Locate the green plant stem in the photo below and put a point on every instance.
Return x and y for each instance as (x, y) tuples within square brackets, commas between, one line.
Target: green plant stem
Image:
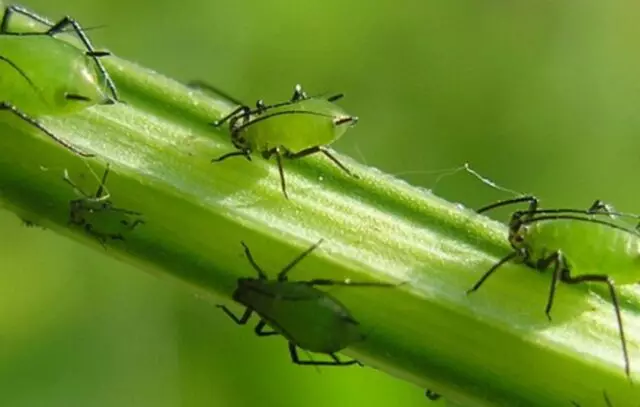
[(493, 348)]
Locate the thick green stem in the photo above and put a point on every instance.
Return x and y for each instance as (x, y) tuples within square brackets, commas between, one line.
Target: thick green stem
[(493, 348)]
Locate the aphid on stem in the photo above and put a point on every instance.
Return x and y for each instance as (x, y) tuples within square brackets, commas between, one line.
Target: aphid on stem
[(299, 127), (578, 245), (309, 318), (41, 75)]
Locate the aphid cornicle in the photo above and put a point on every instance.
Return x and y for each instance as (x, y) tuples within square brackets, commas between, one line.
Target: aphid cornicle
[(97, 215), (309, 318), (293, 129), (41, 75), (578, 245)]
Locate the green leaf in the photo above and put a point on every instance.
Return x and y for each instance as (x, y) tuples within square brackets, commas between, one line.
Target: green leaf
[(492, 348)]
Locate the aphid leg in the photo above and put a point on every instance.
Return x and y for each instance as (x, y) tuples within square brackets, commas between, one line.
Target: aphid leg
[(260, 329), (58, 28), (223, 157), (560, 267), (126, 223), (245, 110), (261, 274), (431, 395), (68, 21), (276, 151), (23, 116), (532, 200), (598, 278), (493, 268), (335, 97), (293, 351), (9, 11), (282, 275), (606, 399), (127, 212), (205, 86), (103, 181), (240, 321), (323, 150), (599, 206)]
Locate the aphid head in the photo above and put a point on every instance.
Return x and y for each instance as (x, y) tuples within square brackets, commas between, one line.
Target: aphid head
[(244, 289)]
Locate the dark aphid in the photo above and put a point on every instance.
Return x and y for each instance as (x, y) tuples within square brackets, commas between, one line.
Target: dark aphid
[(309, 318), (41, 75), (431, 395), (578, 245), (97, 215), (299, 127)]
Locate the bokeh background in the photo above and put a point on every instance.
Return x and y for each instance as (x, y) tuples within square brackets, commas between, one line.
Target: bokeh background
[(540, 96)]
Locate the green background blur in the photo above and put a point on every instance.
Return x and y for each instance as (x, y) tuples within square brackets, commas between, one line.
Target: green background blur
[(540, 96)]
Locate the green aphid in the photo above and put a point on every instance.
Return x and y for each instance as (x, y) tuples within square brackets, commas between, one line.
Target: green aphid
[(41, 75), (309, 318), (293, 129), (578, 245), (97, 215)]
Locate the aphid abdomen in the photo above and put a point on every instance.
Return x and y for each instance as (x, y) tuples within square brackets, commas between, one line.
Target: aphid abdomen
[(306, 316), (54, 69), (292, 131), (589, 248)]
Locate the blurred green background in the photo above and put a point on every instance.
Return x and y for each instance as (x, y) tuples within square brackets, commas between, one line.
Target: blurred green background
[(539, 96)]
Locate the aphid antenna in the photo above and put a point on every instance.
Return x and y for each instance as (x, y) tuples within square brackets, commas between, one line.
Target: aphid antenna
[(247, 252), (207, 87), (282, 275)]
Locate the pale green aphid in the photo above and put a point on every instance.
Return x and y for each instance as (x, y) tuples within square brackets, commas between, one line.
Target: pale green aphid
[(41, 75), (309, 318), (97, 215), (293, 129), (577, 245)]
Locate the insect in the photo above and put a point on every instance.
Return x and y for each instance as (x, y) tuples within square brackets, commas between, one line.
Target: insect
[(97, 215), (577, 244), (309, 318), (431, 395), (302, 126), (41, 75)]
